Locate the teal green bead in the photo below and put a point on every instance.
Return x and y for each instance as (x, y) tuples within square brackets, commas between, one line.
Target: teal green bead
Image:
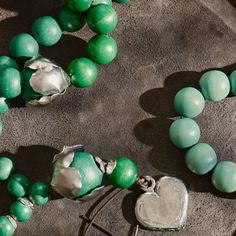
[(214, 85), (201, 158), (184, 133), (124, 174), (224, 176), (20, 211), (39, 193), (97, 2), (6, 227), (6, 61), (4, 105), (23, 47), (189, 102), (102, 19), (6, 168), (10, 85), (102, 49), (82, 72), (70, 21), (18, 185), (232, 80), (79, 5), (46, 31), (91, 175), (121, 1)]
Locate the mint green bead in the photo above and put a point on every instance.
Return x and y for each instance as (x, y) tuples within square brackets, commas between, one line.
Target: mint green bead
[(20, 211), (189, 102), (79, 5), (6, 61), (4, 105), (91, 175), (184, 133), (82, 72), (6, 227), (125, 173), (10, 86), (201, 158), (97, 2), (102, 49), (39, 193), (224, 176), (214, 85), (46, 31), (232, 80), (102, 19), (18, 185), (6, 168), (23, 47)]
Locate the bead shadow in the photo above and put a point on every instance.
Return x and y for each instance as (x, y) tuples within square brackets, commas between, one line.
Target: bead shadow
[(154, 132)]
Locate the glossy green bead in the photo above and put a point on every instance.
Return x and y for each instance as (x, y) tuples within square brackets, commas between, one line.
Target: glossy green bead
[(6, 227), (82, 72), (91, 175), (214, 85), (224, 176), (79, 5), (39, 193), (184, 133), (201, 158), (23, 47), (6, 61), (121, 1), (125, 173), (70, 21), (6, 168), (97, 2), (189, 102), (18, 185), (46, 31), (232, 80), (4, 105), (20, 211), (102, 49), (102, 19), (10, 85)]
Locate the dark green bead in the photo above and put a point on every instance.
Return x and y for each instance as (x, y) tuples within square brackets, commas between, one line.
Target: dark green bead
[(232, 80), (82, 72), (97, 2), (102, 49), (70, 21), (6, 61), (23, 47), (125, 173), (6, 168), (20, 211), (10, 85), (121, 1), (18, 185), (102, 19), (79, 5), (39, 193), (4, 105), (6, 227), (46, 31)]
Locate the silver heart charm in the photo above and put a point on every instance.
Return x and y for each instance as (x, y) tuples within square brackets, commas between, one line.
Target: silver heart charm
[(164, 205)]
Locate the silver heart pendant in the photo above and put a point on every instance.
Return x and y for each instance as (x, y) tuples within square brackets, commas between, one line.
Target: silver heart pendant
[(164, 205)]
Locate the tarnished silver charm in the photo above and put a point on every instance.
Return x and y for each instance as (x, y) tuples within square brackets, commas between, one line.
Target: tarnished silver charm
[(164, 204)]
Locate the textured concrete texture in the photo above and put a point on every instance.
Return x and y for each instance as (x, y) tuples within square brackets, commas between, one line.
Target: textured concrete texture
[(163, 46)]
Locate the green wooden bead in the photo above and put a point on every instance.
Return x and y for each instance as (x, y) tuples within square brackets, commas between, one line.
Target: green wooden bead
[(18, 185), (23, 47), (70, 21), (6, 227), (102, 49), (201, 158), (6, 168), (102, 19), (184, 133), (224, 176), (97, 2), (82, 72), (232, 80), (79, 5), (20, 211), (91, 175), (10, 85), (125, 173), (6, 61), (46, 31), (39, 193), (215, 85), (189, 102), (4, 105)]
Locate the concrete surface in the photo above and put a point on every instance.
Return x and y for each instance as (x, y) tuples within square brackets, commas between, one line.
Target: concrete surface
[(163, 46)]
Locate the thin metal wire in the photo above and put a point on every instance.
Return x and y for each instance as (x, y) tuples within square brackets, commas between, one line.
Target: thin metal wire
[(136, 230)]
